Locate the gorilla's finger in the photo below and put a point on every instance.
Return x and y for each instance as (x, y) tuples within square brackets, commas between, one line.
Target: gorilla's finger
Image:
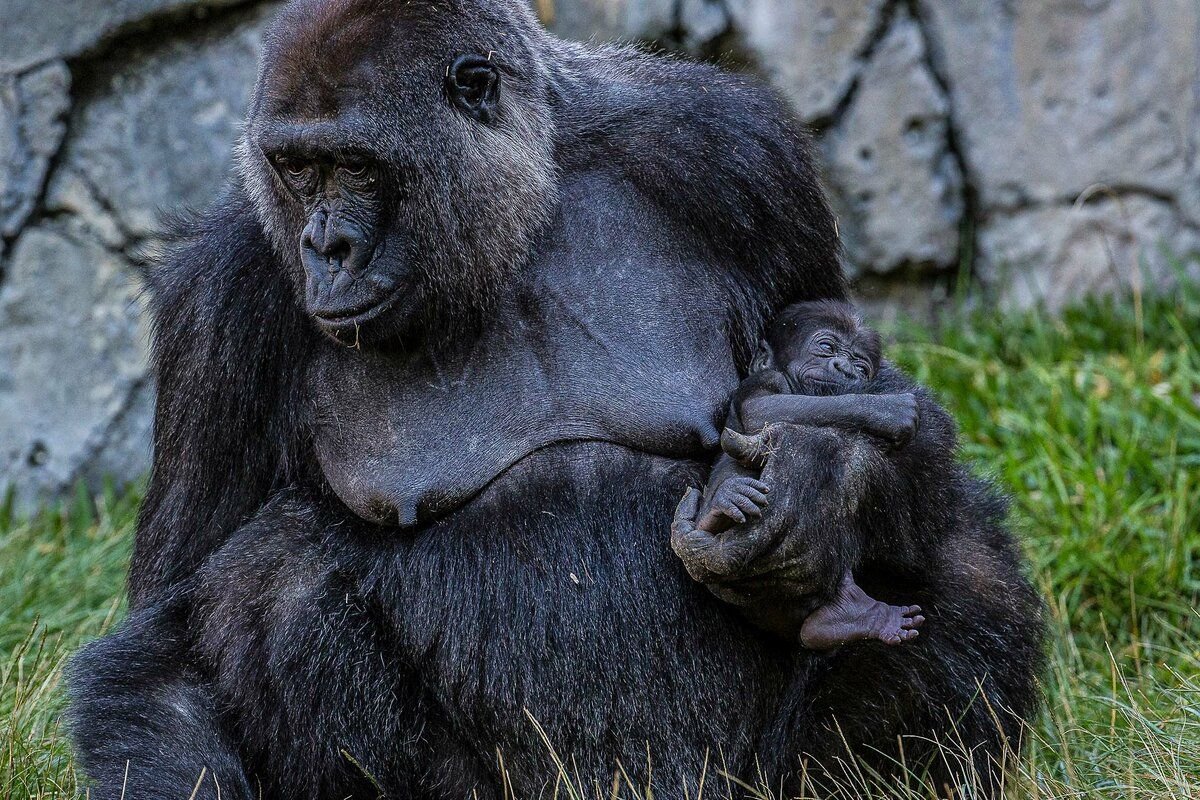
[(685, 512), (754, 495)]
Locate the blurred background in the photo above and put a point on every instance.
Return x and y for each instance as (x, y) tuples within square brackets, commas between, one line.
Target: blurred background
[(1016, 152)]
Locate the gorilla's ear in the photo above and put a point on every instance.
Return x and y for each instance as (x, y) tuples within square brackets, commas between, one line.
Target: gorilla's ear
[(764, 358), (473, 83)]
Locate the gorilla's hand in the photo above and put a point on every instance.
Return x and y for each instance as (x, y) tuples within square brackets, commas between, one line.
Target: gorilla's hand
[(715, 558)]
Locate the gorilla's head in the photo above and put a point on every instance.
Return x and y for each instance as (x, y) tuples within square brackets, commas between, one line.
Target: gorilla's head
[(400, 154)]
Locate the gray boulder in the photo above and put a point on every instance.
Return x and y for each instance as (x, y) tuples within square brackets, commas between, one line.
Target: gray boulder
[(72, 361), (896, 185), (32, 108)]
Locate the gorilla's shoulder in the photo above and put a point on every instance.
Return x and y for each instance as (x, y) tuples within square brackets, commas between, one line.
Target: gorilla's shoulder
[(216, 272), (717, 151), (210, 254)]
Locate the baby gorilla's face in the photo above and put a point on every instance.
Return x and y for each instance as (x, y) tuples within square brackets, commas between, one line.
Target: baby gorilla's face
[(829, 362)]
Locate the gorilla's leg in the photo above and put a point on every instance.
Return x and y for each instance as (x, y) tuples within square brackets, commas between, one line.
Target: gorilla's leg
[(951, 704), (144, 724)]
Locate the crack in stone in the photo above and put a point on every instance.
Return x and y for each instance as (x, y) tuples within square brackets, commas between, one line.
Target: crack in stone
[(871, 42), (146, 32), (52, 159), (161, 24), (99, 441), (972, 208)]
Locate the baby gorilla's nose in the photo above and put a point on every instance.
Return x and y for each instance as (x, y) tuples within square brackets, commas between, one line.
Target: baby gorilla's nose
[(843, 367)]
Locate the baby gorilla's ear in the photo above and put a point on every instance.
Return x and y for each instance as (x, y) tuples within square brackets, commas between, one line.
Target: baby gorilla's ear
[(763, 359)]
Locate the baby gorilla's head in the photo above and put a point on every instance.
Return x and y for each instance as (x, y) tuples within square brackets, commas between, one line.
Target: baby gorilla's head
[(822, 347)]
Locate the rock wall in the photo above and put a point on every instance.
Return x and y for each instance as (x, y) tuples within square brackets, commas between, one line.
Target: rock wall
[(1038, 150)]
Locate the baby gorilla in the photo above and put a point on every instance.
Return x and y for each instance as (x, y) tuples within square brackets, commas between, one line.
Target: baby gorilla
[(808, 395)]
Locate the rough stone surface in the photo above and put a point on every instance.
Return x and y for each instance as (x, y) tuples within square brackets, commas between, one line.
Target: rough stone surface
[(809, 48), (152, 129), (72, 360), (1057, 254), (35, 31), (32, 107), (159, 129), (941, 124), (896, 185), (1055, 97)]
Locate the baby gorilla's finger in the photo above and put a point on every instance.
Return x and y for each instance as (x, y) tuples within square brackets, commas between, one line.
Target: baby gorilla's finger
[(910, 611), (907, 635), (911, 623), (759, 485), (734, 513), (746, 505), (754, 495)]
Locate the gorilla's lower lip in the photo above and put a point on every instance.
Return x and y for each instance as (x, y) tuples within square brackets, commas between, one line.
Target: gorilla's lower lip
[(358, 316)]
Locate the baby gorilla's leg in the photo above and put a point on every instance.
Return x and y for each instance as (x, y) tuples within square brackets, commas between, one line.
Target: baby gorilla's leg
[(854, 616)]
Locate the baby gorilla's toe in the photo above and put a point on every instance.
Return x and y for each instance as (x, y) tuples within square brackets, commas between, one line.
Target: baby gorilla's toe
[(897, 624), (911, 619)]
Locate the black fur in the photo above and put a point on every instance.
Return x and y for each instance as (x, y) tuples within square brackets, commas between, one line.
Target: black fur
[(651, 214)]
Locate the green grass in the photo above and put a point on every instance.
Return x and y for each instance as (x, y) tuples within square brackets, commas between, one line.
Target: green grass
[(1091, 420)]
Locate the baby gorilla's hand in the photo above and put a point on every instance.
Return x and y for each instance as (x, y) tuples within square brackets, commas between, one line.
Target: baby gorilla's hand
[(740, 498), (893, 417)]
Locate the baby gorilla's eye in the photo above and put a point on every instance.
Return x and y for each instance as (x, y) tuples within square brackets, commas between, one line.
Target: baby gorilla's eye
[(827, 348), (864, 369)]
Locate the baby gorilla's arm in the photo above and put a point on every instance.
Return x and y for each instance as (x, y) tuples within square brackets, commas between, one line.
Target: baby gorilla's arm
[(855, 616), (890, 417)]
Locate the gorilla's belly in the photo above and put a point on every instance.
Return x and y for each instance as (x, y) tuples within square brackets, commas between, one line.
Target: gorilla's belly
[(554, 596), (611, 334)]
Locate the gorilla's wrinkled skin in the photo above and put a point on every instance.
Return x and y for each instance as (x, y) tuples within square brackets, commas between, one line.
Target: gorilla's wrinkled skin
[(432, 377)]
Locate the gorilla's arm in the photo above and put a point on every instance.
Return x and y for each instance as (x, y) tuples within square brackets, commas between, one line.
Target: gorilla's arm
[(910, 494), (228, 345)]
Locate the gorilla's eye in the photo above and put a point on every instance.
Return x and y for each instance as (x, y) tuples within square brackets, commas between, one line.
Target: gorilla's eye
[(826, 347), (291, 167), (357, 170), (295, 172), (864, 369)]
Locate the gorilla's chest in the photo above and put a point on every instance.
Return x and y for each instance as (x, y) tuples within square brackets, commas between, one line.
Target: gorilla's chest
[(608, 337)]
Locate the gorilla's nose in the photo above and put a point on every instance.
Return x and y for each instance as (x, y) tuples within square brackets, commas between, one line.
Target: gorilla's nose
[(328, 242)]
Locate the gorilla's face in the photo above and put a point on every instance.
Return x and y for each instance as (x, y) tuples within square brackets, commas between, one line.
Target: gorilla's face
[(403, 180)]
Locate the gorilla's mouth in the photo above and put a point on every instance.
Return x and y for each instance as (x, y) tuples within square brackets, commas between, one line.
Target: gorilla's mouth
[(359, 315)]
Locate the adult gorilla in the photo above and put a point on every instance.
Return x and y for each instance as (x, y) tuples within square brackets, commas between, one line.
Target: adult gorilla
[(431, 379)]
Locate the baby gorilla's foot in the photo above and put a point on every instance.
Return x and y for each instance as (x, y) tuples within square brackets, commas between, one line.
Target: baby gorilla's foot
[(736, 500), (854, 616)]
